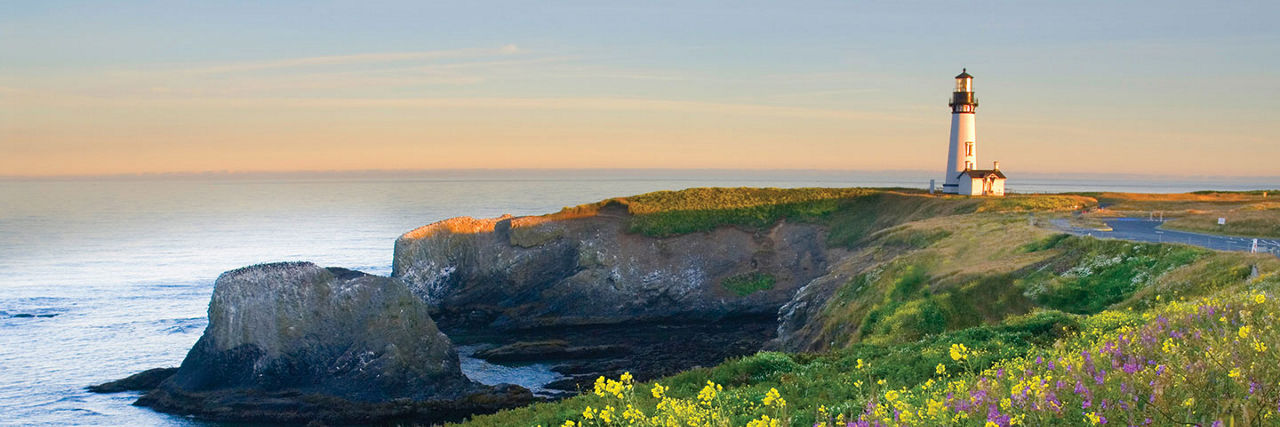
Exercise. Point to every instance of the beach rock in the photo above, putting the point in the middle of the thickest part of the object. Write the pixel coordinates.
(575, 268)
(142, 381)
(294, 342)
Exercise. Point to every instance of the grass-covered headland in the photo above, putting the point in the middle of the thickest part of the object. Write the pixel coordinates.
(963, 311)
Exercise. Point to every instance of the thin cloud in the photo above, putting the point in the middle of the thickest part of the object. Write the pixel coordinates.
(364, 58)
(535, 103)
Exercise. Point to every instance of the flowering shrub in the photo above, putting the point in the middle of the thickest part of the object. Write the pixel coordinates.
(712, 407)
(1208, 361)
(1197, 363)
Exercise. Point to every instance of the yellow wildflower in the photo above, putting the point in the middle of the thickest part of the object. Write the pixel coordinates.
(600, 386)
(1260, 298)
(959, 351)
(880, 382)
(606, 414)
(1190, 401)
(1093, 418)
(1244, 331)
(568, 423)
(941, 369)
(588, 413)
(771, 397)
(1235, 373)
(991, 424)
(764, 421)
(708, 392)
(1259, 346)
(891, 395)
(860, 364)
(659, 391)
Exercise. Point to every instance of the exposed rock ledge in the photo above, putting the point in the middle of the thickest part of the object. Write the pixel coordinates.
(294, 342)
(572, 269)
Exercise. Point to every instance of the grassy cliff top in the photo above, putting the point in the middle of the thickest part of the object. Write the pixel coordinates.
(850, 212)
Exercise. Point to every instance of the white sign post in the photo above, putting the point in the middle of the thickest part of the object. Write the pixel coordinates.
(1254, 249)
(1222, 221)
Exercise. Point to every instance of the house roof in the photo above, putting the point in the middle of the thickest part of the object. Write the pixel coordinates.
(982, 173)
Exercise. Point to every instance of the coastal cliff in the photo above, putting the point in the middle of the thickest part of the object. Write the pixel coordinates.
(514, 273)
(654, 285)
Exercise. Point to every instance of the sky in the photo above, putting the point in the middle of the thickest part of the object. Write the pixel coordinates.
(141, 87)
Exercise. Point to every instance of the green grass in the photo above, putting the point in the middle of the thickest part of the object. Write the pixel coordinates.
(1090, 274)
(749, 283)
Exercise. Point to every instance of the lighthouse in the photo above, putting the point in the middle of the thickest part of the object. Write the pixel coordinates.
(963, 175)
(962, 149)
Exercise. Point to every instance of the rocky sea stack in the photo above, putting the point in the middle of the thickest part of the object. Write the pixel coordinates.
(294, 342)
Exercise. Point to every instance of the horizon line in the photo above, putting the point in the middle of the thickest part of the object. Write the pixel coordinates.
(351, 172)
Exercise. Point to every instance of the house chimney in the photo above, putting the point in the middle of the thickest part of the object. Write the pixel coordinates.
(995, 165)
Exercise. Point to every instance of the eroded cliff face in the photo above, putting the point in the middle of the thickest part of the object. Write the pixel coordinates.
(514, 273)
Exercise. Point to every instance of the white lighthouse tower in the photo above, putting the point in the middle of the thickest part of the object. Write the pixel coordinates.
(962, 151)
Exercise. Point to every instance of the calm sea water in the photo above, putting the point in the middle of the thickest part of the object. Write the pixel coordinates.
(102, 278)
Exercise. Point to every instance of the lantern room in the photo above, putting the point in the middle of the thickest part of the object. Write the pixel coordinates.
(964, 81)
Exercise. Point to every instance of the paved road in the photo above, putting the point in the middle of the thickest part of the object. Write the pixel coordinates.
(1146, 231)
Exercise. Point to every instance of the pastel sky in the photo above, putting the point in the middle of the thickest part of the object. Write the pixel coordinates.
(1170, 87)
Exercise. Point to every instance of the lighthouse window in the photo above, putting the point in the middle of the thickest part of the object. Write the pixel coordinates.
(968, 148)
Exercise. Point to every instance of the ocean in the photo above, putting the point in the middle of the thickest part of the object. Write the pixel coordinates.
(103, 277)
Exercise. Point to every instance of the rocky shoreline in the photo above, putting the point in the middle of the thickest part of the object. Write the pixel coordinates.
(295, 343)
(646, 350)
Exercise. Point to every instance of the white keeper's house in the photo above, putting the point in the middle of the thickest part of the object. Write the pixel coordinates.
(963, 175)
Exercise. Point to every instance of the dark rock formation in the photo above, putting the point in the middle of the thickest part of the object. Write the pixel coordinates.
(514, 273)
(294, 342)
(550, 350)
(142, 381)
